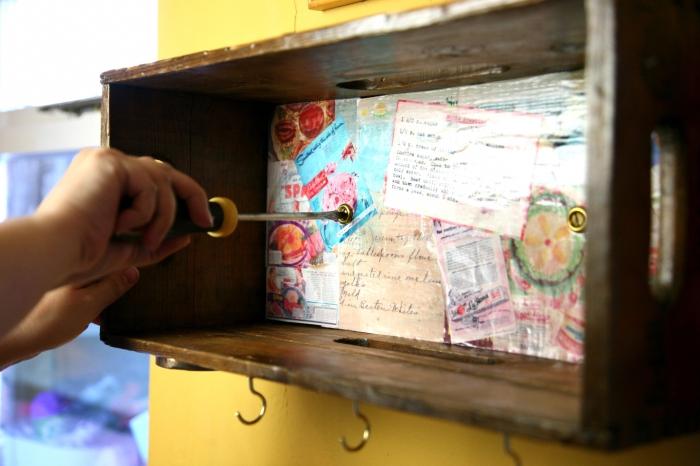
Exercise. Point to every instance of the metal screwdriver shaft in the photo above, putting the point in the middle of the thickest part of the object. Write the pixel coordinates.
(275, 217)
(341, 215)
(226, 218)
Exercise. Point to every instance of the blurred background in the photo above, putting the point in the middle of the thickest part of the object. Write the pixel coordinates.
(84, 403)
(87, 404)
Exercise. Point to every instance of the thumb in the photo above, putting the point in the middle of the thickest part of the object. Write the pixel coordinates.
(104, 292)
(64, 313)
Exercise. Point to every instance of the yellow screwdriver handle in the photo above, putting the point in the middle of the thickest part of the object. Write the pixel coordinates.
(229, 217)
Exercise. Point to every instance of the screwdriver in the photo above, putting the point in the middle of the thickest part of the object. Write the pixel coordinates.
(226, 218)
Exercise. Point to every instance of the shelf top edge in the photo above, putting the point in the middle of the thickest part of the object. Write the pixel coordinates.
(375, 25)
(263, 351)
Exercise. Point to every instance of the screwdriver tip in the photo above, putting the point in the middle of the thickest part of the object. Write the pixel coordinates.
(345, 214)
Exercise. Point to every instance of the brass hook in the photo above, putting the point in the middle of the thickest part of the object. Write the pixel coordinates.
(365, 433)
(509, 451)
(240, 417)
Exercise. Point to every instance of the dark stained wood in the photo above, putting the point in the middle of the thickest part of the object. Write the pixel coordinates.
(522, 395)
(484, 363)
(600, 84)
(229, 158)
(143, 122)
(473, 42)
(223, 145)
(637, 81)
(681, 325)
(208, 114)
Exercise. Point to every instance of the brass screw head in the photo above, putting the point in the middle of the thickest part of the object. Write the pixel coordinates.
(577, 219)
(345, 214)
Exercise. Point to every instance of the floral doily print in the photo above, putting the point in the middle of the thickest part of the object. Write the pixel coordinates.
(550, 255)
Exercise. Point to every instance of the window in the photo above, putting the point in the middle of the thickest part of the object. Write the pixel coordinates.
(53, 52)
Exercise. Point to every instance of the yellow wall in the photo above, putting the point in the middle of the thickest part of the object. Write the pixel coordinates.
(187, 26)
(192, 414)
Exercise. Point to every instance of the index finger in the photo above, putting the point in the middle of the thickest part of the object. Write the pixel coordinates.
(194, 196)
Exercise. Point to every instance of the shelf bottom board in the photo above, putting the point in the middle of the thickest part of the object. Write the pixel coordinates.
(511, 393)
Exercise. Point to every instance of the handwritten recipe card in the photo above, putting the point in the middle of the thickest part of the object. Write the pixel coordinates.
(464, 165)
(389, 279)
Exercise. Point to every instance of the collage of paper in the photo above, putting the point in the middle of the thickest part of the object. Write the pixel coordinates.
(460, 231)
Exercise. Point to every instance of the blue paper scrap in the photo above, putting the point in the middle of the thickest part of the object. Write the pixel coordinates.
(330, 176)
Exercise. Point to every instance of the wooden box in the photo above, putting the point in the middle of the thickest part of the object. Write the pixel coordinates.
(209, 113)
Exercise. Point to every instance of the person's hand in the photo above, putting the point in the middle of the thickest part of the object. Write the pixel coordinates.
(63, 314)
(61, 266)
(86, 203)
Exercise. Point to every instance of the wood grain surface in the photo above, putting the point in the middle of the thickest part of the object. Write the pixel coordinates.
(638, 66)
(384, 54)
(208, 114)
(505, 392)
(223, 145)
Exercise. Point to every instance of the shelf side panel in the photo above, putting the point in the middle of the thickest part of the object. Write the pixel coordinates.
(638, 385)
(221, 144)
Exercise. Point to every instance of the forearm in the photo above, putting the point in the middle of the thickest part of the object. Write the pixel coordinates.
(63, 256)
(36, 256)
(15, 347)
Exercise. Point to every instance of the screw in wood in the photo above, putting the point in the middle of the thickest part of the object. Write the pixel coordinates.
(577, 219)
(345, 214)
